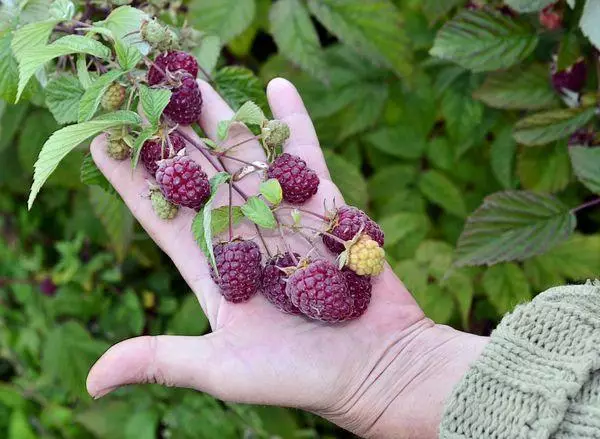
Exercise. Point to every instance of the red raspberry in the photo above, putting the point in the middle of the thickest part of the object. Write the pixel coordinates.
(347, 223)
(183, 182)
(152, 149)
(298, 182)
(360, 289)
(171, 62)
(274, 281)
(320, 292)
(550, 18)
(238, 263)
(185, 105)
(572, 78)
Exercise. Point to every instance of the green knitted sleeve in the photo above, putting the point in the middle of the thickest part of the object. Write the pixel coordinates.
(539, 377)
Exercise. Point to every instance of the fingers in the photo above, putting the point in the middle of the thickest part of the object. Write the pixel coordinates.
(168, 360)
(286, 105)
(174, 237)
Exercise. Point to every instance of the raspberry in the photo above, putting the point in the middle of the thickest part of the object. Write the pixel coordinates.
(185, 105)
(360, 289)
(48, 287)
(183, 182)
(172, 62)
(238, 264)
(113, 97)
(347, 223)
(157, 35)
(572, 78)
(164, 209)
(155, 150)
(275, 133)
(274, 281)
(550, 18)
(118, 149)
(365, 257)
(320, 291)
(298, 182)
(583, 137)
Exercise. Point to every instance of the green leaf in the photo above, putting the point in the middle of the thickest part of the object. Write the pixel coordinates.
(442, 191)
(460, 285)
(9, 69)
(225, 18)
(484, 40)
(586, 165)
(127, 55)
(30, 36)
(62, 9)
(506, 286)
(348, 179)
(435, 9)
(271, 190)
(90, 101)
(82, 72)
(220, 218)
(189, 319)
(402, 140)
(207, 53)
(124, 23)
(502, 158)
(239, 85)
(63, 94)
(115, 217)
(402, 225)
(68, 354)
(569, 51)
(462, 113)
(257, 211)
(142, 424)
(154, 101)
(518, 89)
(437, 303)
(513, 225)
(35, 57)
(542, 128)
(544, 169)
(589, 22)
(19, 426)
(374, 28)
(66, 139)
(92, 176)
(528, 5)
(386, 182)
(146, 134)
(413, 275)
(296, 37)
(250, 114)
(436, 256)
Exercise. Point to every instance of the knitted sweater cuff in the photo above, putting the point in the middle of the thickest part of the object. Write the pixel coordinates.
(539, 376)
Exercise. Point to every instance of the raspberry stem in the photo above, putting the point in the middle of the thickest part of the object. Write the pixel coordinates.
(285, 242)
(230, 147)
(329, 235)
(299, 209)
(230, 210)
(594, 202)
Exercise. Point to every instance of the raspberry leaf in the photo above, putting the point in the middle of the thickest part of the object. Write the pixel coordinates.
(66, 139)
(502, 158)
(146, 134)
(434, 10)
(127, 55)
(545, 168)
(348, 178)
(442, 191)
(505, 285)
(154, 101)
(249, 113)
(124, 24)
(220, 218)
(271, 190)
(92, 176)
(484, 40)
(90, 101)
(238, 85)
(62, 9)
(207, 54)
(586, 164)
(225, 18)
(9, 70)
(528, 5)
(63, 95)
(513, 226)
(31, 35)
(257, 211)
(82, 72)
(296, 37)
(542, 128)
(518, 89)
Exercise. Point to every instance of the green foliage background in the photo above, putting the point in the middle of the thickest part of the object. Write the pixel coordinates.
(418, 141)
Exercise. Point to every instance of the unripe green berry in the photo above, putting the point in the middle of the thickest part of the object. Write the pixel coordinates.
(158, 35)
(113, 97)
(118, 149)
(163, 208)
(275, 133)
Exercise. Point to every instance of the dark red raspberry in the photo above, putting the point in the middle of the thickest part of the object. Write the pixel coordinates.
(274, 281)
(238, 263)
(583, 137)
(572, 78)
(172, 62)
(360, 289)
(183, 182)
(298, 182)
(152, 149)
(320, 292)
(185, 105)
(347, 223)
(48, 287)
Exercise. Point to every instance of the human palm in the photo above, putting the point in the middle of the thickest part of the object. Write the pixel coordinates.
(385, 374)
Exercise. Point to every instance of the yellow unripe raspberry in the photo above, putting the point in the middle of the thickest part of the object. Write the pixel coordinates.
(366, 257)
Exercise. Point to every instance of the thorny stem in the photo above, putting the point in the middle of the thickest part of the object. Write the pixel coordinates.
(156, 66)
(586, 205)
(222, 152)
(299, 209)
(230, 210)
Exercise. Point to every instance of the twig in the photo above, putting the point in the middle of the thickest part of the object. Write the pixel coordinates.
(586, 205)
(315, 214)
(230, 210)
(230, 147)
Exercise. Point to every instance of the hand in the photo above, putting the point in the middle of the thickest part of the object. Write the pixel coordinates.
(386, 374)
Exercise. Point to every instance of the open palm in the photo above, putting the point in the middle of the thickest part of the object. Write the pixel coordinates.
(384, 375)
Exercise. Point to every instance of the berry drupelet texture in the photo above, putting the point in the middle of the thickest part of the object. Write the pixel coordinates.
(360, 289)
(172, 62)
(239, 270)
(274, 282)
(158, 149)
(298, 182)
(183, 182)
(346, 223)
(185, 105)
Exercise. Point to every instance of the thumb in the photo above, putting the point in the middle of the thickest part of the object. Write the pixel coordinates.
(169, 360)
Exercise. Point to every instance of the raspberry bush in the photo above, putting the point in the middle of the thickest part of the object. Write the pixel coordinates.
(462, 134)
